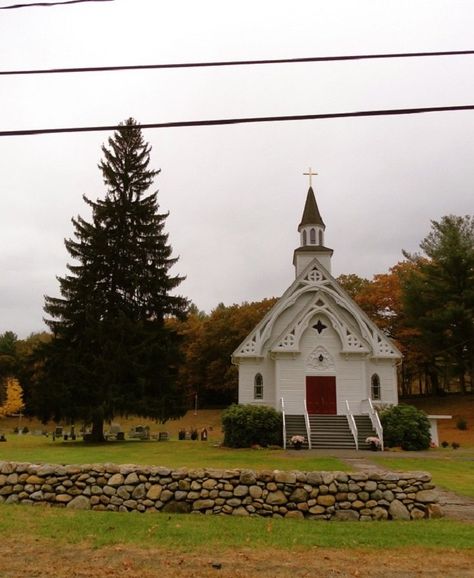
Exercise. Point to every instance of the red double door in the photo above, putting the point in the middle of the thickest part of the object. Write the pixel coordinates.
(321, 394)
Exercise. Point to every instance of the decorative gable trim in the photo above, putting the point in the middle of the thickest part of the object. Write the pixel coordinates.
(290, 339)
(320, 361)
(314, 276)
(357, 332)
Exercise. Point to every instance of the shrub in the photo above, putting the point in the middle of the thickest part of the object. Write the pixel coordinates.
(455, 445)
(406, 426)
(461, 423)
(248, 425)
(444, 444)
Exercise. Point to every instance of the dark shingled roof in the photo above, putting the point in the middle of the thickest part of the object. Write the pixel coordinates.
(314, 249)
(311, 214)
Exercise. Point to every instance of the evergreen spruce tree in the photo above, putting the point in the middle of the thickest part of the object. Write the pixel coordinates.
(438, 296)
(112, 353)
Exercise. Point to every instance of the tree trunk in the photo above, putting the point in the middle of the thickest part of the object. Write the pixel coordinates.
(434, 381)
(97, 434)
(471, 374)
(462, 369)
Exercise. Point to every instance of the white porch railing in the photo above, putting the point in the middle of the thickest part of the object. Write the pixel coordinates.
(376, 424)
(308, 425)
(352, 425)
(282, 404)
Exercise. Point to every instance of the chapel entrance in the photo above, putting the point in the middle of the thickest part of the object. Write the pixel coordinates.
(321, 394)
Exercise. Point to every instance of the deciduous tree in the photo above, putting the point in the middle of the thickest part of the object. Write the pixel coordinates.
(381, 299)
(353, 284)
(208, 343)
(14, 397)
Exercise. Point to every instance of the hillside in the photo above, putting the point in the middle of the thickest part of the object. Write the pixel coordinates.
(457, 405)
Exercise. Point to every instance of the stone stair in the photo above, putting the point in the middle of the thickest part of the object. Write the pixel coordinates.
(295, 425)
(331, 432)
(364, 430)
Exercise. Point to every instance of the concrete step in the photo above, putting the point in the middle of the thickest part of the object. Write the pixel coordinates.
(364, 430)
(330, 432)
(295, 425)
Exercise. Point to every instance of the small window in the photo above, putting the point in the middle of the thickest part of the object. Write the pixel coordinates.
(304, 238)
(320, 237)
(258, 387)
(375, 387)
(312, 236)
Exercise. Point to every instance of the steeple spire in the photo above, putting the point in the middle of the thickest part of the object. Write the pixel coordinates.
(311, 214)
(311, 230)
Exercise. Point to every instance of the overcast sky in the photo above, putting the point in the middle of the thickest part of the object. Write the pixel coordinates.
(235, 193)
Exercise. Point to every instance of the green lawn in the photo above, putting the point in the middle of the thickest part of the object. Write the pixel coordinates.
(453, 472)
(194, 532)
(199, 533)
(39, 449)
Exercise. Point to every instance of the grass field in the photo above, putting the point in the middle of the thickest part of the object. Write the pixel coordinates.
(451, 470)
(193, 454)
(193, 532)
(58, 543)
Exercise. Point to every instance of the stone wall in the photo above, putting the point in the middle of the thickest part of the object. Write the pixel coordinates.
(314, 495)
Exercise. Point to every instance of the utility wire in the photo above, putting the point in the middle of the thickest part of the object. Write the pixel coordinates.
(248, 120)
(237, 62)
(47, 4)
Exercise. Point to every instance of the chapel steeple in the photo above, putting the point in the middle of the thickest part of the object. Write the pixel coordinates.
(311, 215)
(311, 230)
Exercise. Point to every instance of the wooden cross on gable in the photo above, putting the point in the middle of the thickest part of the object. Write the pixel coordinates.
(310, 174)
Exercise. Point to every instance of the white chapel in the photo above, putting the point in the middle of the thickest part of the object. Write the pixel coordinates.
(316, 356)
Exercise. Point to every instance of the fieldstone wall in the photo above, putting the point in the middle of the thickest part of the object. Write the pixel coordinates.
(314, 495)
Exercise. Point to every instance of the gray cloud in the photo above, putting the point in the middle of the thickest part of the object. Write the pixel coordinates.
(235, 194)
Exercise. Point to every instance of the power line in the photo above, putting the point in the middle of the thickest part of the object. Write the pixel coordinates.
(47, 4)
(237, 62)
(248, 120)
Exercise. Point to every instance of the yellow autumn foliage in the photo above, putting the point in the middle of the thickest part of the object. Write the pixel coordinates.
(14, 397)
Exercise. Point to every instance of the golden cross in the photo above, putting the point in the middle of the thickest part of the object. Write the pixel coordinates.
(310, 174)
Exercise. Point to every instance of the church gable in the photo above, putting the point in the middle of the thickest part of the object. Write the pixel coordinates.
(360, 328)
(253, 344)
(321, 307)
(357, 333)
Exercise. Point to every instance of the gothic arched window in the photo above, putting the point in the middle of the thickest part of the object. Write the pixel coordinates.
(304, 237)
(320, 237)
(375, 392)
(258, 387)
(312, 236)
